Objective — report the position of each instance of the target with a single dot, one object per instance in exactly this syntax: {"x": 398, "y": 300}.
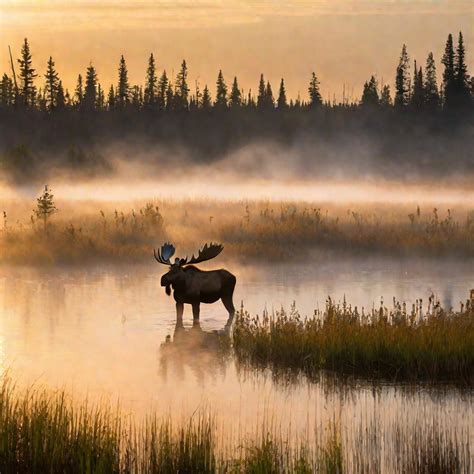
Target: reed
{"x": 47, "y": 432}
{"x": 395, "y": 343}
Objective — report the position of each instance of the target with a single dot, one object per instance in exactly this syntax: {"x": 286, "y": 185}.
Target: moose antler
{"x": 209, "y": 251}
{"x": 164, "y": 254}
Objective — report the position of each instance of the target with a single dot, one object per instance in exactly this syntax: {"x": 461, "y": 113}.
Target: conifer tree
{"x": 170, "y": 98}
{"x": 261, "y": 98}
{"x": 448, "y": 74}
{"x": 235, "y": 95}
{"x": 402, "y": 80}
{"x": 418, "y": 93}
{"x": 282, "y": 101}
{"x": 100, "y": 104}
{"x": 221, "y": 92}
{"x": 123, "y": 87}
{"x": 385, "y": 97}
{"x": 79, "y": 92}
{"x": 269, "y": 100}
{"x": 150, "y": 96}
{"x": 206, "y": 102}
{"x": 315, "y": 99}
{"x": 432, "y": 99}
{"x": 162, "y": 89}
{"x": 52, "y": 84}
{"x": 90, "y": 92}
{"x": 60, "y": 97}
{"x": 181, "y": 101}
{"x": 27, "y": 76}
{"x": 111, "y": 98}
{"x": 370, "y": 95}
{"x": 45, "y": 206}
{"x": 7, "y": 95}
{"x": 461, "y": 77}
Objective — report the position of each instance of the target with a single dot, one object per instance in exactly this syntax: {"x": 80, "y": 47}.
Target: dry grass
{"x": 248, "y": 230}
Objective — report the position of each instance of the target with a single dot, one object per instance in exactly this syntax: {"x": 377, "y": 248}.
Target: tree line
{"x": 418, "y": 90}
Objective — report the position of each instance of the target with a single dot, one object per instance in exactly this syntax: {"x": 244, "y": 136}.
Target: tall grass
{"x": 249, "y": 230}
{"x": 46, "y": 432}
{"x": 395, "y": 343}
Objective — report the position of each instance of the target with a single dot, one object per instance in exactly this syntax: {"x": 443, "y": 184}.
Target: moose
{"x": 194, "y": 286}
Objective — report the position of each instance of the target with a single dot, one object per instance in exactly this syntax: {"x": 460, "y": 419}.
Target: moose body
{"x": 194, "y": 286}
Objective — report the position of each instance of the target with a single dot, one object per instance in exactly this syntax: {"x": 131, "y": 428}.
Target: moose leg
{"x": 229, "y": 306}
{"x": 195, "y": 312}
{"x": 179, "y": 314}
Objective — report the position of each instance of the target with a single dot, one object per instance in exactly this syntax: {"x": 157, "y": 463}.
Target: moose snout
{"x": 164, "y": 281}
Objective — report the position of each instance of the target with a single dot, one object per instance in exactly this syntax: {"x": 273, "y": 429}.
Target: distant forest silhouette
{"x": 420, "y": 123}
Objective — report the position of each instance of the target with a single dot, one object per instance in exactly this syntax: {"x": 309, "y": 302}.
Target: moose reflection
{"x": 194, "y": 286}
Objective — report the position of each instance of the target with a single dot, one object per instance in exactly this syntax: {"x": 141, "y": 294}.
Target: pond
{"x": 100, "y": 332}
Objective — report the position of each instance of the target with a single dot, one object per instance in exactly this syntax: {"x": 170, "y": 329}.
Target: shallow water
{"x": 100, "y": 332}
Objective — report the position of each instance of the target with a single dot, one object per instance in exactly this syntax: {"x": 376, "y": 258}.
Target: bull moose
{"x": 194, "y": 286}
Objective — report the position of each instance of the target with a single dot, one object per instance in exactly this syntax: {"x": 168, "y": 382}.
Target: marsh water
{"x": 101, "y": 332}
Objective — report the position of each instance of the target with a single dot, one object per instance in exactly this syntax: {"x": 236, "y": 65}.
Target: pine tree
{"x": 27, "y": 76}
{"x": 418, "y": 93}
{"x": 161, "y": 94}
{"x": 90, "y": 92}
{"x": 206, "y": 102}
{"x": 461, "y": 77}
{"x": 402, "y": 80}
{"x": 52, "y": 84}
{"x": 170, "y": 97}
{"x": 123, "y": 87}
{"x": 315, "y": 99}
{"x": 261, "y": 98}
{"x": 79, "y": 92}
{"x": 150, "y": 96}
{"x": 45, "y": 206}
{"x": 432, "y": 99}
{"x": 385, "y": 97}
{"x": 7, "y": 94}
{"x": 221, "y": 92}
{"x": 111, "y": 98}
{"x": 269, "y": 100}
{"x": 370, "y": 95}
{"x": 181, "y": 101}
{"x": 60, "y": 97}
{"x": 235, "y": 95}
{"x": 448, "y": 74}
{"x": 100, "y": 103}
{"x": 282, "y": 101}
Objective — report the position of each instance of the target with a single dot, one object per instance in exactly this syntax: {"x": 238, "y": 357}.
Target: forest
{"x": 422, "y": 127}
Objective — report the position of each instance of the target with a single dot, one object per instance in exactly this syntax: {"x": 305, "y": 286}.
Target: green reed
{"x": 396, "y": 343}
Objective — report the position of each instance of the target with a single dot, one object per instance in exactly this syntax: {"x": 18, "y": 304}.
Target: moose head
{"x": 176, "y": 275}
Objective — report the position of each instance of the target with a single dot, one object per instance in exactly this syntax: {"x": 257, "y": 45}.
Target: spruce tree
{"x": 449, "y": 87}
{"x": 100, "y": 103}
{"x": 370, "y": 95}
{"x": 150, "y": 96}
{"x": 282, "y": 101}
{"x": 385, "y": 97}
{"x": 461, "y": 77}
{"x": 162, "y": 89}
{"x": 79, "y": 92}
{"x": 418, "y": 93}
{"x": 269, "y": 100}
{"x": 90, "y": 92}
{"x": 123, "y": 87}
{"x": 170, "y": 98}
{"x": 60, "y": 97}
{"x": 235, "y": 95}
{"x": 206, "y": 102}
{"x": 402, "y": 80}
{"x": 27, "y": 76}
{"x": 52, "y": 84}
{"x": 221, "y": 92}
{"x": 7, "y": 94}
{"x": 262, "y": 90}
{"x": 111, "y": 98}
{"x": 181, "y": 101}
{"x": 432, "y": 99}
{"x": 315, "y": 99}
{"x": 45, "y": 206}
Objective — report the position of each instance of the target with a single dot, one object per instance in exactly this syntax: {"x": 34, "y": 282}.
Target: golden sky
{"x": 343, "y": 41}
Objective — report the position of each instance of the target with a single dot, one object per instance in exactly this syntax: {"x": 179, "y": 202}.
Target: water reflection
{"x": 204, "y": 352}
